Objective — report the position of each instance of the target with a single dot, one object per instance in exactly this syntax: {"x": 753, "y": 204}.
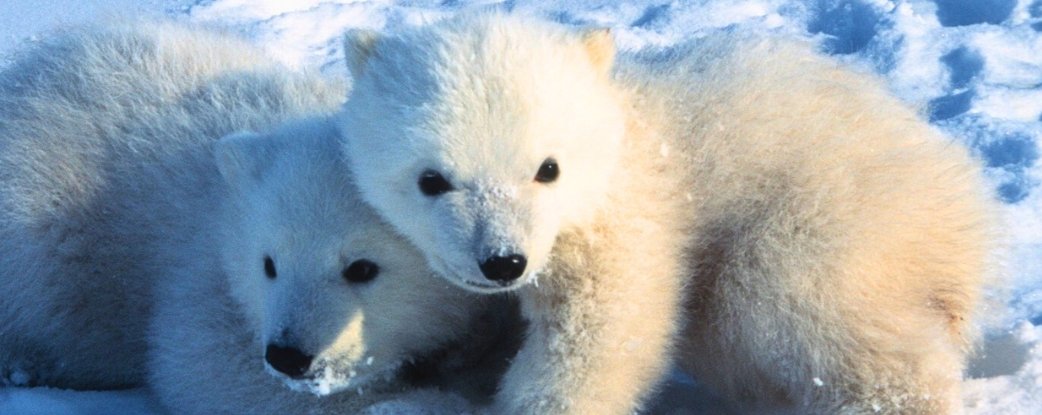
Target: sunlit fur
{"x": 485, "y": 112}
{"x": 834, "y": 244}
{"x": 485, "y": 99}
{"x": 841, "y": 243}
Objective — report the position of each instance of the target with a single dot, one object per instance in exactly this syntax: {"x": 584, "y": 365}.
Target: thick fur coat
{"x": 105, "y": 172}
{"x": 291, "y": 202}
{"x": 479, "y": 106}
{"x": 121, "y": 203}
{"x": 820, "y": 247}
{"x": 841, "y": 244}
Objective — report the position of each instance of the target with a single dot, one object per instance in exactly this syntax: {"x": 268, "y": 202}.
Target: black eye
{"x": 269, "y": 267}
{"x": 361, "y": 270}
{"x": 432, "y": 183}
{"x": 548, "y": 171}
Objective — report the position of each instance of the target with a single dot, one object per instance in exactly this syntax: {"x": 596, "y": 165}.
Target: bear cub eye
{"x": 362, "y": 270}
{"x": 433, "y": 183}
{"x": 269, "y": 267}
{"x": 548, "y": 171}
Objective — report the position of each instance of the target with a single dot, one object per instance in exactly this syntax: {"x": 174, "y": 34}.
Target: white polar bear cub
{"x": 308, "y": 280}
{"x": 105, "y": 166}
{"x": 830, "y": 245}
{"x": 499, "y": 147}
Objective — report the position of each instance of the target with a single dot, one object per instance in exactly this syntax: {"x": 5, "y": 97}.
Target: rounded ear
{"x": 600, "y": 46}
{"x": 358, "y": 47}
{"x": 243, "y": 157}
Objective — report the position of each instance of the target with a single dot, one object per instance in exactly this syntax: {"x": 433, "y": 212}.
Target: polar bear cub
{"x": 830, "y": 246}
{"x": 299, "y": 277}
{"x": 502, "y": 149}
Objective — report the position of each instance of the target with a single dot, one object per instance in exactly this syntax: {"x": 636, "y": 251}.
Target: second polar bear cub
{"x": 307, "y": 279}
{"x": 114, "y": 210}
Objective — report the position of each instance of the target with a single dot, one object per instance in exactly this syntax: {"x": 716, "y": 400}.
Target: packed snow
{"x": 974, "y": 67}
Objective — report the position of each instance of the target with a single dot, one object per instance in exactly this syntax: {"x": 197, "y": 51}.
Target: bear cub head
{"x": 482, "y": 137}
{"x": 335, "y": 299}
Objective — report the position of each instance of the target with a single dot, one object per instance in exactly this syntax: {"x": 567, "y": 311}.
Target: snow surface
{"x": 973, "y": 66}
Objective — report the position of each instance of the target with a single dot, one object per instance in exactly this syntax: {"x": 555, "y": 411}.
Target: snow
{"x": 45, "y": 401}
{"x": 1009, "y": 390}
{"x": 973, "y": 66}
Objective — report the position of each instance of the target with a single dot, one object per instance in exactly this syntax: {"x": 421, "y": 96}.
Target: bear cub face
{"x": 481, "y": 145}
{"x": 336, "y": 300}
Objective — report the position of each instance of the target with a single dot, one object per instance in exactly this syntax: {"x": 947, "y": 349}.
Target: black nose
{"x": 288, "y": 360}
{"x": 504, "y": 268}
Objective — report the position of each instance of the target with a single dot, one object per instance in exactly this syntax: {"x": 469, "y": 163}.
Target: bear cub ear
{"x": 359, "y": 45}
{"x": 600, "y": 46}
{"x": 243, "y": 157}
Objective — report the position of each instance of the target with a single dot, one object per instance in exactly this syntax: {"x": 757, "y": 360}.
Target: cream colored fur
{"x": 832, "y": 245}
{"x": 484, "y": 100}
{"x": 841, "y": 243}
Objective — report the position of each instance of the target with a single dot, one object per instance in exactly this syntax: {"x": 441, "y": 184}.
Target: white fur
{"x": 105, "y": 148}
{"x": 841, "y": 243}
{"x": 484, "y": 99}
{"x": 114, "y": 208}
{"x": 289, "y": 198}
{"x": 827, "y": 231}
{"x": 420, "y": 88}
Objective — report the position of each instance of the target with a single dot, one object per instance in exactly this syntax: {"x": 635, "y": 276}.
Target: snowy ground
{"x": 973, "y": 66}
